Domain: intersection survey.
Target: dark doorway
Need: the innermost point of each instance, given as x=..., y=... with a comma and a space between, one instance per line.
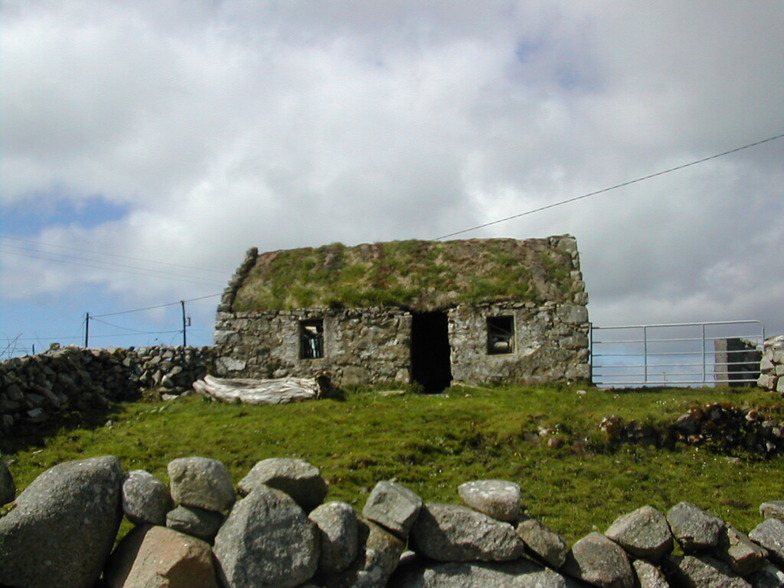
x=430, y=363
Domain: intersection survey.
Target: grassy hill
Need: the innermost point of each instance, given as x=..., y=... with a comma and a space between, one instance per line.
x=434, y=443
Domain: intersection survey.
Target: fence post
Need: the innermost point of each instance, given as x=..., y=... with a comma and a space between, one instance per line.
x=645, y=352
x=704, y=373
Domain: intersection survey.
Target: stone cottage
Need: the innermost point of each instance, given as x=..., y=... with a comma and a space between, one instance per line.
x=476, y=311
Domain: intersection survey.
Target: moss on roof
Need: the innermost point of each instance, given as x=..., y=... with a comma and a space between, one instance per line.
x=420, y=275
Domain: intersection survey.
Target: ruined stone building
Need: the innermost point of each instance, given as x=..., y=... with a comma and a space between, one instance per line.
x=476, y=311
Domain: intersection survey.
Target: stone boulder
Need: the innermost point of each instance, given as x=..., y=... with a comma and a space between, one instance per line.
x=337, y=525
x=447, y=532
x=648, y=575
x=702, y=570
x=297, y=478
x=157, y=557
x=644, y=533
x=694, y=528
x=145, y=499
x=543, y=543
x=378, y=556
x=495, y=498
x=7, y=486
x=770, y=534
x=773, y=509
x=599, y=561
x=201, y=482
x=520, y=573
x=393, y=506
x=266, y=541
x=744, y=556
x=63, y=527
x=195, y=521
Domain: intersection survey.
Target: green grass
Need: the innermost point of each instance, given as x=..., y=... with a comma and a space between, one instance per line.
x=434, y=443
x=416, y=274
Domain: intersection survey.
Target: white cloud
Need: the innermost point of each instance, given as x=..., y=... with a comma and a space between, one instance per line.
x=224, y=125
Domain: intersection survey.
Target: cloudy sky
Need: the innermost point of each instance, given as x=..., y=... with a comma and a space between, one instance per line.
x=147, y=145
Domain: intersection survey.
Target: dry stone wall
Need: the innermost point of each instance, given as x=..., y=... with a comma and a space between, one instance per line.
x=772, y=365
x=277, y=530
x=35, y=388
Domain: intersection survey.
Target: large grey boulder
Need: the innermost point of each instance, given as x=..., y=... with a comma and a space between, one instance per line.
x=201, y=482
x=337, y=525
x=195, y=521
x=773, y=509
x=447, y=532
x=770, y=534
x=694, y=528
x=495, y=498
x=63, y=527
x=543, y=543
x=7, y=486
x=297, y=478
x=378, y=556
x=157, y=557
x=266, y=541
x=145, y=499
x=643, y=533
x=648, y=575
x=598, y=560
x=702, y=570
x=393, y=506
x=520, y=573
x=744, y=556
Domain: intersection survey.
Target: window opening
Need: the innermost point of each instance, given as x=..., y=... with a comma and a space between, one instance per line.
x=311, y=336
x=500, y=335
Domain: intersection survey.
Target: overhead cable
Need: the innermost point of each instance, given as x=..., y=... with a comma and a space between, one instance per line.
x=615, y=187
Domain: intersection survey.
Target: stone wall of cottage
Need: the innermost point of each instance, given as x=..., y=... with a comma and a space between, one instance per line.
x=372, y=346
x=550, y=344
x=367, y=346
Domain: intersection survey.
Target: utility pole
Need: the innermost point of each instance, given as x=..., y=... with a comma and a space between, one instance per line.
x=87, y=330
x=184, y=326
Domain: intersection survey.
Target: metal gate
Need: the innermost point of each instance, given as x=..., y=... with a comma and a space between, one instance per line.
x=720, y=353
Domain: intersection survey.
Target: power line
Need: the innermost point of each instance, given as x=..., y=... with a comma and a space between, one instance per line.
x=154, y=307
x=51, y=338
x=615, y=187
x=131, y=330
x=105, y=265
x=141, y=259
x=133, y=310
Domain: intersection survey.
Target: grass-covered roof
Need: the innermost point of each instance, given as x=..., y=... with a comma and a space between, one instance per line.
x=419, y=275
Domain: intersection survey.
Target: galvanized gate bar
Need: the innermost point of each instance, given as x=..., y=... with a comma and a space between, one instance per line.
x=693, y=362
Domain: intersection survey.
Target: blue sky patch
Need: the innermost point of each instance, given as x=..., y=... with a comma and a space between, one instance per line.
x=31, y=217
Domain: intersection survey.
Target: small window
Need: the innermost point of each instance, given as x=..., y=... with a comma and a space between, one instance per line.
x=311, y=337
x=500, y=334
